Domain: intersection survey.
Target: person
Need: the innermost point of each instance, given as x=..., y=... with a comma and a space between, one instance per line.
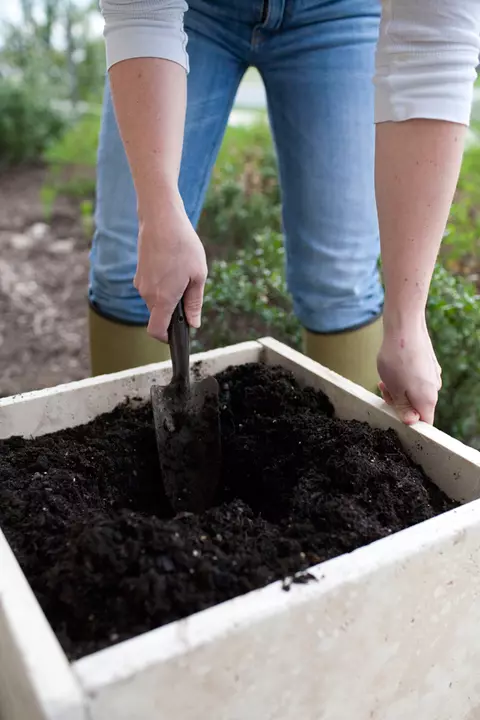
x=339, y=138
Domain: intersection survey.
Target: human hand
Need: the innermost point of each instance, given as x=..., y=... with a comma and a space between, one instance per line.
x=171, y=265
x=409, y=371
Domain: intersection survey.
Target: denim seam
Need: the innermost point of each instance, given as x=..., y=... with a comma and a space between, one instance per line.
x=201, y=187
x=107, y=316
x=267, y=17
x=353, y=328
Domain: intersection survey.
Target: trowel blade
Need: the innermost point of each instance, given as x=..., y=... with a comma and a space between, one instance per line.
x=187, y=428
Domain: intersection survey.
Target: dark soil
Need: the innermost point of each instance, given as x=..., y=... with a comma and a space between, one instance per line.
x=86, y=516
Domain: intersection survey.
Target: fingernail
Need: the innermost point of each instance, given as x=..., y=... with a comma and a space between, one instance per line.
x=411, y=417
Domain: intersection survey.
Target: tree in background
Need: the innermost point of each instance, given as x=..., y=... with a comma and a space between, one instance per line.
x=54, y=50
x=51, y=62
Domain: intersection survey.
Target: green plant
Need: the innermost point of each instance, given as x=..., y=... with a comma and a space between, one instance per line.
x=86, y=210
x=247, y=297
x=462, y=239
x=244, y=195
x=28, y=124
x=78, y=145
x=54, y=50
x=71, y=163
x=454, y=323
x=48, y=196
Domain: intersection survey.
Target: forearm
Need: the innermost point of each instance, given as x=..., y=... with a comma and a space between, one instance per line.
x=425, y=71
x=417, y=168
x=149, y=96
x=147, y=63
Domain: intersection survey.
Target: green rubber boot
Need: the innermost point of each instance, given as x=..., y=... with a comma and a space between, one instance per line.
x=351, y=353
x=116, y=346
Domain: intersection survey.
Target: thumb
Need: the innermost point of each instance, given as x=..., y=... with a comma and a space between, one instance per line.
x=193, y=301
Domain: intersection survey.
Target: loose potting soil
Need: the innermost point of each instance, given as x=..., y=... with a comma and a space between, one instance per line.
x=84, y=510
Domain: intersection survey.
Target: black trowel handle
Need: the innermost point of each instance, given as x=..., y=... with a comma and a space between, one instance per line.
x=179, y=341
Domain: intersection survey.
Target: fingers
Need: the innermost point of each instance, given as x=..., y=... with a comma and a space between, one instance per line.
x=418, y=406
x=193, y=301
x=405, y=410
x=385, y=394
x=160, y=316
x=161, y=309
x=410, y=376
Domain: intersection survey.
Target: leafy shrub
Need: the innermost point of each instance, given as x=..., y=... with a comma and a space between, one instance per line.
x=28, y=124
x=461, y=246
x=454, y=323
x=54, y=49
x=244, y=195
x=78, y=145
x=71, y=161
x=246, y=294
x=247, y=297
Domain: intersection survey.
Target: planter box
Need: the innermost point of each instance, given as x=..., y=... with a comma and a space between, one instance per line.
x=387, y=631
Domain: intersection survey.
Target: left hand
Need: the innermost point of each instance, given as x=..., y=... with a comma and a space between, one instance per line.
x=409, y=371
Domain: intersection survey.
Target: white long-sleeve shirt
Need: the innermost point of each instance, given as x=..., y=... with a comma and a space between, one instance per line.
x=426, y=59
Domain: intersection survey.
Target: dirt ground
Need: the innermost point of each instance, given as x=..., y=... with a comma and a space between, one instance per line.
x=43, y=284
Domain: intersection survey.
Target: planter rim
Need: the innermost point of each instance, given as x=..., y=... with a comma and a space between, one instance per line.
x=131, y=374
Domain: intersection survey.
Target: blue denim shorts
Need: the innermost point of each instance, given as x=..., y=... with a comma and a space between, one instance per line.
x=316, y=58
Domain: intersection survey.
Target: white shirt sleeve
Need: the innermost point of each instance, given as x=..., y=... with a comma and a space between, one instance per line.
x=145, y=28
x=426, y=60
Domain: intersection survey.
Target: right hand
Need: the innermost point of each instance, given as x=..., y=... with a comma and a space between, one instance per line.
x=411, y=377
x=171, y=265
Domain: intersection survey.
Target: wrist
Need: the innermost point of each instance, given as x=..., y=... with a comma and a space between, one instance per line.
x=398, y=319
x=158, y=201
x=405, y=302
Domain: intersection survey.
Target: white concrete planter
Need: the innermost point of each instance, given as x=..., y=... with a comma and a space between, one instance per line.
x=388, y=632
